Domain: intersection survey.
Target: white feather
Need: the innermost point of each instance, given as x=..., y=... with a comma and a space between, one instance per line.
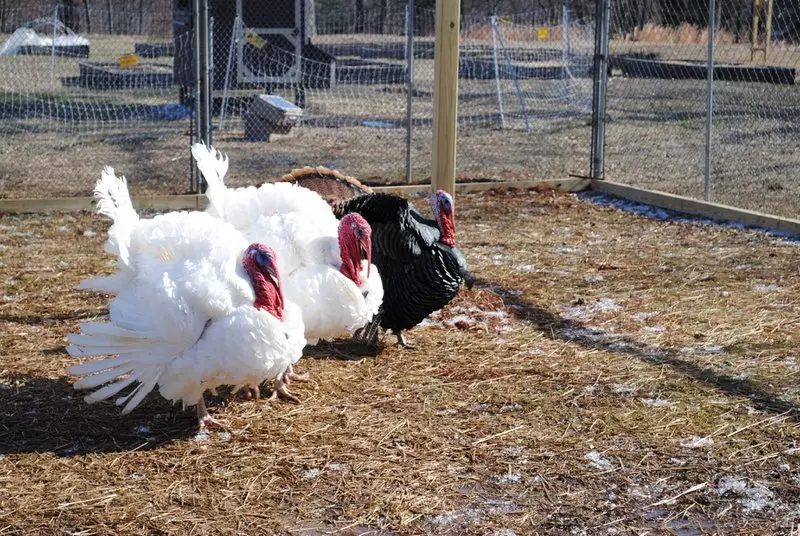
x=183, y=316
x=301, y=227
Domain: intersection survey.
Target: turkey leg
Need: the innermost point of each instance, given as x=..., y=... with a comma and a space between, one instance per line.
x=204, y=419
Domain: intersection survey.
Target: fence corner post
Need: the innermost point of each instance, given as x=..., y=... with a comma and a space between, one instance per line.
x=600, y=88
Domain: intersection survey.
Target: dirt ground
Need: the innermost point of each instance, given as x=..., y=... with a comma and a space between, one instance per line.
x=609, y=374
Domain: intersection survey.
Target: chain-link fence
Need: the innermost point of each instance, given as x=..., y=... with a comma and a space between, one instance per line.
x=524, y=93
x=658, y=100
x=350, y=86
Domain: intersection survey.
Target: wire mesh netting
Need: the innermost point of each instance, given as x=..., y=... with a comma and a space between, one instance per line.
x=524, y=90
x=657, y=101
x=288, y=90
x=304, y=82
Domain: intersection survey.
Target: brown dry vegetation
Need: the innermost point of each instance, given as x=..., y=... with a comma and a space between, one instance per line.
x=608, y=374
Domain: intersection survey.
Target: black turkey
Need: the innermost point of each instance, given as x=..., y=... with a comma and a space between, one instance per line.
x=419, y=263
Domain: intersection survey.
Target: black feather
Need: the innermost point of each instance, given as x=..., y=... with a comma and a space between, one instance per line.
x=420, y=275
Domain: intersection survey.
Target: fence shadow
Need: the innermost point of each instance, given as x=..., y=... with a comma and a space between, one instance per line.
x=558, y=328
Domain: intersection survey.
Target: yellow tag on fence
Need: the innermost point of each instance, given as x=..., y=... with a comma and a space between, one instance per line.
x=128, y=60
x=255, y=39
x=544, y=33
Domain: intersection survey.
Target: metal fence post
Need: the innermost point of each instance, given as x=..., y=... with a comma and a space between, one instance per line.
x=53, y=49
x=513, y=71
x=600, y=89
x=712, y=18
x=202, y=78
x=493, y=23
x=409, y=83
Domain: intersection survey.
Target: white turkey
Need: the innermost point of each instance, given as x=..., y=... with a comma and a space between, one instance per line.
x=326, y=264
x=197, y=306
x=420, y=265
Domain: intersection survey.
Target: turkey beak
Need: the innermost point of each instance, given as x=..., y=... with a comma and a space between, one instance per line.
x=272, y=274
x=365, y=245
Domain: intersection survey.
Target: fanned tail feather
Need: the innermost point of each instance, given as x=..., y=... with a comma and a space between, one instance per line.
x=140, y=359
x=214, y=166
x=114, y=202
x=109, y=284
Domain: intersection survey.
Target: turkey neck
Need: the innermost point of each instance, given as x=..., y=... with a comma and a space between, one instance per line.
x=269, y=297
x=447, y=228
x=349, y=252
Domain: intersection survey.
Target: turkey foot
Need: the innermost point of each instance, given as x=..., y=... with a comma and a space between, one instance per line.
x=282, y=390
x=290, y=376
x=205, y=420
x=401, y=340
x=251, y=393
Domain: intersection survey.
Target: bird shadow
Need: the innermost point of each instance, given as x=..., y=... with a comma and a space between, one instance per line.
x=556, y=327
x=48, y=415
x=342, y=350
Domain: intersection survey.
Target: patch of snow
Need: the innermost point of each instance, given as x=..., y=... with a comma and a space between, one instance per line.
x=460, y=318
x=517, y=451
x=456, y=516
x=753, y=498
x=202, y=435
x=655, y=329
x=641, y=316
x=224, y=436
x=311, y=474
x=625, y=390
x=449, y=411
x=585, y=312
x=594, y=278
x=742, y=266
x=588, y=333
x=772, y=287
x=597, y=461
x=795, y=451
x=64, y=229
x=742, y=376
x=489, y=248
x=143, y=429
x=504, y=532
x=506, y=479
x=88, y=233
x=696, y=442
x=2, y=457
x=535, y=351
x=680, y=462
x=336, y=466
x=564, y=249
x=656, y=402
x=137, y=476
x=530, y=268
x=709, y=349
x=655, y=213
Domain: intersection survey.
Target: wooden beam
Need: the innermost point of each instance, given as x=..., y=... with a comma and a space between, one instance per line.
x=694, y=207
x=199, y=202
x=445, y=94
x=66, y=204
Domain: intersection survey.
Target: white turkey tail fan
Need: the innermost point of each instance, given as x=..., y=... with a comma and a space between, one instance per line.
x=330, y=184
x=214, y=166
x=140, y=360
x=114, y=202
